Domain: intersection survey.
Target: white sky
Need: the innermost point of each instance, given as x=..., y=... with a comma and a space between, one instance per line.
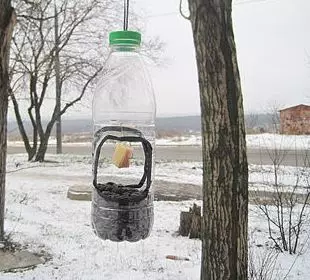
x=273, y=45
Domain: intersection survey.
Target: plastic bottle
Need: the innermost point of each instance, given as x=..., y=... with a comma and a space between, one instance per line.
x=124, y=112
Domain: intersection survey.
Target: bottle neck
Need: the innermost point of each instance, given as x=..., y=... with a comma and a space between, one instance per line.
x=124, y=48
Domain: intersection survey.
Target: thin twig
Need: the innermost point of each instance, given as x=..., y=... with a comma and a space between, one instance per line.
x=299, y=253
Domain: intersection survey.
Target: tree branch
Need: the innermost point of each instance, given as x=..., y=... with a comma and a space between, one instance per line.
x=45, y=82
x=68, y=105
x=35, y=18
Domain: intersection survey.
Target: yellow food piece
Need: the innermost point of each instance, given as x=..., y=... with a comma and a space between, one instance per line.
x=122, y=155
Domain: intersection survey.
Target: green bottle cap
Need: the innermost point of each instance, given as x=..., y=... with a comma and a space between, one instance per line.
x=125, y=38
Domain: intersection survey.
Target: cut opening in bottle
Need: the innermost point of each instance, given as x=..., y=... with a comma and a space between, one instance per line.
x=122, y=211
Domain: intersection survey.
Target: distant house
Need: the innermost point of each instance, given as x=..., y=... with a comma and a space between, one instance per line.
x=295, y=120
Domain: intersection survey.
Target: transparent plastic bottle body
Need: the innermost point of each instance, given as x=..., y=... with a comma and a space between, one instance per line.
x=124, y=107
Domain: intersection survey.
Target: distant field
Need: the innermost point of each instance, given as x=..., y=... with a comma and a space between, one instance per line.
x=80, y=130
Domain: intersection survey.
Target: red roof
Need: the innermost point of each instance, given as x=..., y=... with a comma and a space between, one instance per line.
x=295, y=107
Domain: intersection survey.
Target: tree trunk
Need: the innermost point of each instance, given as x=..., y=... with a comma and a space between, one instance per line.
x=7, y=19
x=31, y=150
x=225, y=169
x=40, y=155
x=58, y=87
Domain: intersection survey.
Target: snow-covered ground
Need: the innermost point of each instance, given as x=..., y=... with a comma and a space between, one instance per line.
x=260, y=176
x=254, y=141
x=40, y=217
x=278, y=141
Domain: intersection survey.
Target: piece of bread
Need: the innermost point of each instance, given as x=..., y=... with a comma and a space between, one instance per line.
x=122, y=155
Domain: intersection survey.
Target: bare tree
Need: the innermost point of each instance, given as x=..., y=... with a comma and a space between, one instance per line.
x=35, y=53
x=225, y=168
x=77, y=49
x=273, y=113
x=287, y=207
x=7, y=20
x=251, y=122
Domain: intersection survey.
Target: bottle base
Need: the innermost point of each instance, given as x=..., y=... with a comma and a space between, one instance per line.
x=118, y=222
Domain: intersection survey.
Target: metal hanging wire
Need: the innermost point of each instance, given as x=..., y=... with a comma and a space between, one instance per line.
x=126, y=12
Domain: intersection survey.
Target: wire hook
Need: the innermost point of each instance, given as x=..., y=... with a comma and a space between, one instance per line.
x=126, y=12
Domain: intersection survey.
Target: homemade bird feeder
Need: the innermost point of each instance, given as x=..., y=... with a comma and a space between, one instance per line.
x=123, y=143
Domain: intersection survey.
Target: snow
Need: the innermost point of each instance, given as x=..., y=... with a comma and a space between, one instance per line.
x=278, y=141
x=262, y=177
x=40, y=217
x=286, y=266
x=254, y=141
x=191, y=140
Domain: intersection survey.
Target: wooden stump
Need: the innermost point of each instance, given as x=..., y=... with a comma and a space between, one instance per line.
x=185, y=223
x=190, y=222
x=195, y=230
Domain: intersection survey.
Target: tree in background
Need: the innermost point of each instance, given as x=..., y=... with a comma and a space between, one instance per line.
x=77, y=50
x=7, y=20
x=33, y=62
x=225, y=168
